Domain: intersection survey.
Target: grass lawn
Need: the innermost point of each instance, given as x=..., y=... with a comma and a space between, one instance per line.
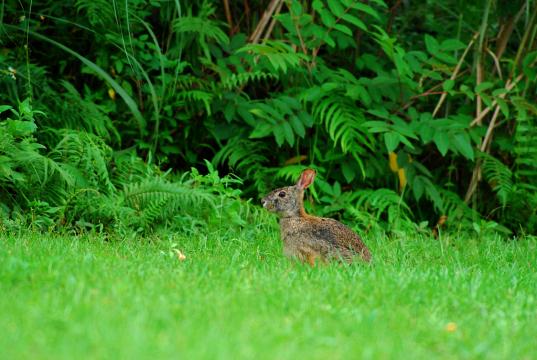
x=235, y=296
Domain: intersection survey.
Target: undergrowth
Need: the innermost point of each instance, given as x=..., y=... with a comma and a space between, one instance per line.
x=415, y=115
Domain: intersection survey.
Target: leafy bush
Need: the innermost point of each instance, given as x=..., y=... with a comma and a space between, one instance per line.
x=412, y=113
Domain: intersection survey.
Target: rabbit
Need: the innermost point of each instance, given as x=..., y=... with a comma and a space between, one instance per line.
x=307, y=237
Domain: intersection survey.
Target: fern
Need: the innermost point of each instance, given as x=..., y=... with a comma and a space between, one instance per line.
x=204, y=28
x=74, y=112
x=200, y=29
x=525, y=149
x=499, y=176
x=234, y=81
x=282, y=116
x=382, y=202
x=127, y=168
x=278, y=55
x=456, y=210
x=24, y=170
x=343, y=121
x=158, y=199
x=98, y=12
x=243, y=155
x=88, y=153
x=187, y=97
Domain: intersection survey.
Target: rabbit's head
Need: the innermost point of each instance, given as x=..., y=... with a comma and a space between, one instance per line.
x=288, y=201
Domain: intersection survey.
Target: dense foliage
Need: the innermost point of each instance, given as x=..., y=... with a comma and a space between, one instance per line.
x=415, y=114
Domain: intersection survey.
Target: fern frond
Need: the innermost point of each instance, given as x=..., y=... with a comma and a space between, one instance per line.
x=343, y=121
x=193, y=96
x=525, y=150
x=234, y=81
x=290, y=173
x=128, y=168
x=88, y=153
x=204, y=28
x=74, y=112
x=279, y=55
x=243, y=155
x=382, y=202
x=455, y=208
x=158, y=199
x=201, y=30
x=98, y=12
x=499, y=176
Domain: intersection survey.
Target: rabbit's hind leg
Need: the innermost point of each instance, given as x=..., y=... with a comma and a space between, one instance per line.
x=309, y=256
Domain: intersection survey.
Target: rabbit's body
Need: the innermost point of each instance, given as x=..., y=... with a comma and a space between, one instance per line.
x=310, y=237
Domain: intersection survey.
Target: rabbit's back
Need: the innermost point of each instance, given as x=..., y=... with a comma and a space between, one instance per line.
x=310, y=237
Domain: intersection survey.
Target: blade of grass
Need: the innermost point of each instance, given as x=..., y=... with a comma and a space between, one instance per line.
x=154, y=98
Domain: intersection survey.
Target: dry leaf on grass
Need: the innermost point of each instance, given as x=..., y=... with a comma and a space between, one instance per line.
x=180, y=255
x=451, y=327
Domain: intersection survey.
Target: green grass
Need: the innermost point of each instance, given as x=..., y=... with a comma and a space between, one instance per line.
x=236, y=296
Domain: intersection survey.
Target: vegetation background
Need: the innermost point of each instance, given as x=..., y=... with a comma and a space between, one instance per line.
x=132, y=116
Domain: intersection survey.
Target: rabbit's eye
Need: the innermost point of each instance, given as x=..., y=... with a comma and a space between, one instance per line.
x=281, y=194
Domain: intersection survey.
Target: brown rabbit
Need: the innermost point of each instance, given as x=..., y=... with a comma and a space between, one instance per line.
x=310, y=237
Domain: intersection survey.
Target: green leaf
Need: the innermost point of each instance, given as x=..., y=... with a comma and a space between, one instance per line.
x=296, y=8
x=463, y=145
x=426, y=132
x=318, y=5
x=279, y=135
x=377, y=126
x=298, y=126
x=5, y=108
x=452, y=45
x=486, y=99
x=483, y=86
x=348, y=171
x=405, y=141
x=288, y=133
x=328, y=19
x=418, y=188
x=448, y=59
x=261, y=130
x=499, y=92
x=364, y=8
x=354, y=21
x=442, y=142
x=433, y=195
x=402, y=66
x=306, y=118
x=391, y=139
x=431, y=45
x=20, y=128
x=466, y=91
x=344, y=29
x=336, y=7
x=528, y=64
x=503, y=106
x=448, y=84
x=328, y=39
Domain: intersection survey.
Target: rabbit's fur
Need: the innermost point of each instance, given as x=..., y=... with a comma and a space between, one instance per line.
x=310, y=237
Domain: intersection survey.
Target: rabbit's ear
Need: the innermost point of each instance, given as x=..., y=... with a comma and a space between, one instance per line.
x=306, y=178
